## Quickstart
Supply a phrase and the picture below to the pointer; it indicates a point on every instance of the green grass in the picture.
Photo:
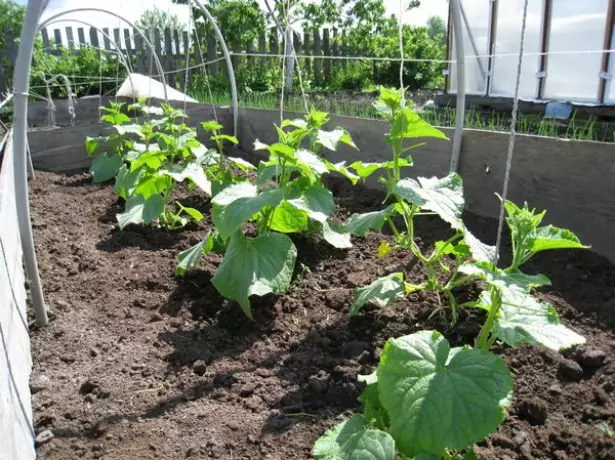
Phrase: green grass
(575, 128)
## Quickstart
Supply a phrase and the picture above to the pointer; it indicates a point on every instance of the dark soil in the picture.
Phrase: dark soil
(139, 364)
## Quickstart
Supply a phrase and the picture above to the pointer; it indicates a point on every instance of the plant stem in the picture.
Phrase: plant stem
(483, 339)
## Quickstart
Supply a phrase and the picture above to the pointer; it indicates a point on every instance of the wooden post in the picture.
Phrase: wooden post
(334, 50)
(57, 38)
(307, 50)
(118, 40)
(212, 55)
(326, 51)
(187, 63)
(81, 36)
(606, 57)
(137, 51)
(45, 37)
(106, 41)
(70, 38)
(317, 58)
(168, 56)
(158, 48)
(94, 38)
(262, 49)
(344, 50)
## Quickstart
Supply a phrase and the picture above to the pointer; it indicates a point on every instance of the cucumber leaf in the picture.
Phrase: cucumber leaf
(480, 251)
(191, 257)
(443, 196)
(255, 266)
(550, 237)
(382, 292)
(140, 210)
(360, 224)
(438, 398)
(238, 203)
(331, 139)
(353, 440)
(524, 319)
(407, 124)
(335, 234)
(501, 278)
(192, 171)
(288, 219)
(105, 167)
(316, 201)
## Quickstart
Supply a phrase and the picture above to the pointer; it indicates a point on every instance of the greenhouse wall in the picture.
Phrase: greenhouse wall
(565, 47)
(16, 433)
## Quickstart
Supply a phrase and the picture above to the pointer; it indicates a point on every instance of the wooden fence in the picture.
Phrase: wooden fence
(173, 47)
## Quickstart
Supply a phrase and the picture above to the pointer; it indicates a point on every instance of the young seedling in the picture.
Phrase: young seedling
(288, 197)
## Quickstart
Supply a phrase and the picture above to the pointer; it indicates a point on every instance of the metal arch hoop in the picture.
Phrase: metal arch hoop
(461, 85)
(121, 18)
(229, 63)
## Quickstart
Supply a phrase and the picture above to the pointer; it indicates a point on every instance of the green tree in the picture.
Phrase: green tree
(11, 19)
(436, 28)
(156, 19)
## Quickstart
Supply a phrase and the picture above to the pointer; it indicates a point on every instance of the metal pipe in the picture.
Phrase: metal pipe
(229, 63)
(481, 66)
(20, 169)
(461, 84)
(121, 18)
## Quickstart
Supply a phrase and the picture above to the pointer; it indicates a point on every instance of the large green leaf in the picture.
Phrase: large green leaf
(126, 181)
(373, 412)
(360, 224)
(93, 143)
(192, 171)
(409, 125)
(502, 279)
(382, 292)
(524, 319)
(353, 440)
(288, 219)
(442, 196)
(331, 139)
(316, 201)
(480, 251)
(311, 162)
(335, 234)
(255, 266)
(238, 203)
(105, 167)
(140, 210)
(551, 237)
(438, 398)
(341, 168)
(364, 170)
(152, 183)
(191, 257)
(153, 159)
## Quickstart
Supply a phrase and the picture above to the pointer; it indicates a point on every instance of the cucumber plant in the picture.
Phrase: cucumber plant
(288, 196)
(148, 160)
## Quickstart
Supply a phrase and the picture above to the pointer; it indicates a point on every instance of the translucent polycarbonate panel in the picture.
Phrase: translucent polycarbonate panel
(576, 27)
(507, 44)
(610, 88)
(477, 13)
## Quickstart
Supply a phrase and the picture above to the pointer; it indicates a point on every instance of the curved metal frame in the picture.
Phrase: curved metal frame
(461, 84)
(131, 24)
(229, 63)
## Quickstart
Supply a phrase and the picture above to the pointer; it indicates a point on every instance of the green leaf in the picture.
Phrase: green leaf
(480, 251)
(122, 130)
(225, 137)
(364, 170)
(316, 118)
(312, 161)
(192, 171)
(391, 97)
(551, 237)
(382, 292)
(92, 143)
(341, 168)
(116, 118)
(255, 266)
(360, 224)
(409, 125)
(438, 398)
(196, 215)
(442, 196)
(241, 163)
(524, 319)
(335, 235)
(331, 139)
(139, 210)
(316, 201)
(297, 123)
(352, 440)
(238, 203)
(191, 257)
(126, 181)
(373, 412)
(153, 159)
(288, 219)
(277, 150)
(502, 279)
(152, 183)
(105, 167)
(211, 126)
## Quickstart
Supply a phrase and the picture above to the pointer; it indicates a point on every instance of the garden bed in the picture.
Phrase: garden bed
(139, 364)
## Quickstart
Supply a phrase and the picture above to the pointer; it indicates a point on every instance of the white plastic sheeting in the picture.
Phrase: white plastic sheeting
(575, 41)
(576, 26)
(140, 86)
